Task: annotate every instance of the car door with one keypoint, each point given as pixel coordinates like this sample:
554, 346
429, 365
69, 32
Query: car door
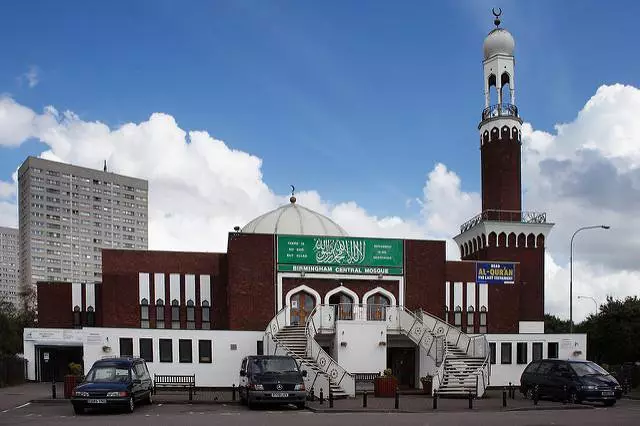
146, 381
542, 378
137, 384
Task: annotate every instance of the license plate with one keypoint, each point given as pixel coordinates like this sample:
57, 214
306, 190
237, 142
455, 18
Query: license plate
97, 401
279, 395
607, 393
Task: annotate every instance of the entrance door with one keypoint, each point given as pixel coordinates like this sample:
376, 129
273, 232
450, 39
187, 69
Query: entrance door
402, 362
343, 306
302, 303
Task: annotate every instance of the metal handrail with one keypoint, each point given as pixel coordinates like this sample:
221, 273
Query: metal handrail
312, 345
504, 216
500, 110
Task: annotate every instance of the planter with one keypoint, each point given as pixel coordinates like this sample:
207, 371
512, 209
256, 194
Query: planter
385, 387
70, 382
427, 386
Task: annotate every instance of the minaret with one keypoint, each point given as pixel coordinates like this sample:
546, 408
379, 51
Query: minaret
502, 231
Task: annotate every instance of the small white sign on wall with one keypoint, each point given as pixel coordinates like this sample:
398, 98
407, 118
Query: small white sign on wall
294, 304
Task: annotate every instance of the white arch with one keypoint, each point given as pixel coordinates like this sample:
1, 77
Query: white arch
303, 287
342, 289
382, 291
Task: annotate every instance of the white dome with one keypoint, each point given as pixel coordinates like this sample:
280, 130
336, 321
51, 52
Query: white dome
499, 41
292, 219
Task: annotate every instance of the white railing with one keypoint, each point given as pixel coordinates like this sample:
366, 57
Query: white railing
274, 346
321, 318
402, 320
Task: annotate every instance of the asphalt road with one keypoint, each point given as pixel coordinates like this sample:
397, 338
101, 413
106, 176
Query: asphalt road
625, 413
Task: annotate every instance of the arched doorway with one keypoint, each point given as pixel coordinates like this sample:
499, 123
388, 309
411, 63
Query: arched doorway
343, 305
302, 303
377, 307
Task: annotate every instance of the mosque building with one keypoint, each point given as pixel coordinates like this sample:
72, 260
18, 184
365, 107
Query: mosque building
294, 282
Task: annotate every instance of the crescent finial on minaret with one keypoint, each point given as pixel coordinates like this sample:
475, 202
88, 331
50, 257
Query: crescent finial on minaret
497, 14
293, 192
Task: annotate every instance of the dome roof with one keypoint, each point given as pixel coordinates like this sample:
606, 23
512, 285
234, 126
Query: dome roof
498, 42
292, 219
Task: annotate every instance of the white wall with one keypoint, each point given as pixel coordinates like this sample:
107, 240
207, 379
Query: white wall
223, 371
570, 346
427, 365
363, 353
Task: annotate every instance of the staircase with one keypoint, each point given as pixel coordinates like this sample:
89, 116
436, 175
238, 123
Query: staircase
294, 340
459, 376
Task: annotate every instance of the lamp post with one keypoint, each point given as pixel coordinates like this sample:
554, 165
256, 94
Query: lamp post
571, 271
594, 301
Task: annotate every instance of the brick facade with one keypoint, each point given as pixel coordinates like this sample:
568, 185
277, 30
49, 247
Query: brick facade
425, 266
501, 170
54, 305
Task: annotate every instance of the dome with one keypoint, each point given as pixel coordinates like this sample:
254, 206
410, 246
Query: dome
498, 42
292, 219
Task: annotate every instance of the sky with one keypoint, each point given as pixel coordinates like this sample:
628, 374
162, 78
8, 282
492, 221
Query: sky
369, 108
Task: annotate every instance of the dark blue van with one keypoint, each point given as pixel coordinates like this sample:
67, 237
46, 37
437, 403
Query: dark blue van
114, 382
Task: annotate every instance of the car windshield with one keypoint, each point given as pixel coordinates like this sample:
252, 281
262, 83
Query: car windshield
274, 365
587, 369
108, 373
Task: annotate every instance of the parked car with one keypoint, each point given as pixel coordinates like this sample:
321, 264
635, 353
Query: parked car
573, 380
114, 382
271, 379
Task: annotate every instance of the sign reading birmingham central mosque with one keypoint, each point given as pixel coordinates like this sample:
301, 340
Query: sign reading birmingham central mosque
340, 255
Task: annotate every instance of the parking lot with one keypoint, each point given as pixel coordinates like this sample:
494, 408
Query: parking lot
626, 412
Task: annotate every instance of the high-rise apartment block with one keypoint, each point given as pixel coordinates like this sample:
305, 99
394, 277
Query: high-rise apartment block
9, 265
68, 214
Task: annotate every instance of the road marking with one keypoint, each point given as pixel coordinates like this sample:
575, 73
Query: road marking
22, 406
5, 411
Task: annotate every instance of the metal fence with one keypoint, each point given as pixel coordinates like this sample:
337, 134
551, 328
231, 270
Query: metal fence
12, 370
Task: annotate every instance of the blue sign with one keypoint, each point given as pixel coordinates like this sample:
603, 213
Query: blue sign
495, 273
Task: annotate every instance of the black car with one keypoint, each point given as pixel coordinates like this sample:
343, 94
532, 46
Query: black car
114, 382
271, 379
571, 380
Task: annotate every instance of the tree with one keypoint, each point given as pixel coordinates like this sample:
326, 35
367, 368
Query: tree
13, 321
553, 324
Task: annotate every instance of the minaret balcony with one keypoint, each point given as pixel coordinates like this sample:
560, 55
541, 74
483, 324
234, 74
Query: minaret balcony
516, 216
500, 110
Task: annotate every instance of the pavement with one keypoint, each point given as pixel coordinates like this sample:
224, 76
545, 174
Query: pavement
625, 413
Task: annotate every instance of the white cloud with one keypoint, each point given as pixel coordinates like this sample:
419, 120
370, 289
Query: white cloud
586, 173
31, 77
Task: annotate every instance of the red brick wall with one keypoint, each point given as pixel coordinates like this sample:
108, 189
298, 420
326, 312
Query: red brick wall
500, 169
54, 305
523, 301
424, 265
322, 286
119, 294
251, 288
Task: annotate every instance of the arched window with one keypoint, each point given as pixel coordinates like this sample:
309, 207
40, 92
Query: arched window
175, 314
191, 315
377, 307
206, 315
483, 320
343, 303
91, 317
457, 317
144, 313
77, 317
470, 315
159, 313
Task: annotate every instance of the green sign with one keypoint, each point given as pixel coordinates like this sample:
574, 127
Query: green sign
332, 269
340, 255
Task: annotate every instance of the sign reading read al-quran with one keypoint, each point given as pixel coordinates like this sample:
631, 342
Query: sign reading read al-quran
495, 273
340, 255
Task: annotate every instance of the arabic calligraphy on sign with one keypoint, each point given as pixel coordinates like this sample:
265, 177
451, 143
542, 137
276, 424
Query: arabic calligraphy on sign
340, 252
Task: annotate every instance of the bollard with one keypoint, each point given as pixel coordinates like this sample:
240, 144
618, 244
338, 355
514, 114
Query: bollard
233, 392
313, 397
435, 400
397, 402
364, 399
53, 388
509, 389
470, 400
535, 395
321, 397
504, 397
330, 398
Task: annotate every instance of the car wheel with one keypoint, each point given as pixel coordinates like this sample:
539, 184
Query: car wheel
78, 410
300, 406
148, 400
609, 403
131, 406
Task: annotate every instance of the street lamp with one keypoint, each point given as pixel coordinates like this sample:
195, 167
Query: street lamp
571, 271
594, 301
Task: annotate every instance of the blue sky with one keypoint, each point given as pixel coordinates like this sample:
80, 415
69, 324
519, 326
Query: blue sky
356, 99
